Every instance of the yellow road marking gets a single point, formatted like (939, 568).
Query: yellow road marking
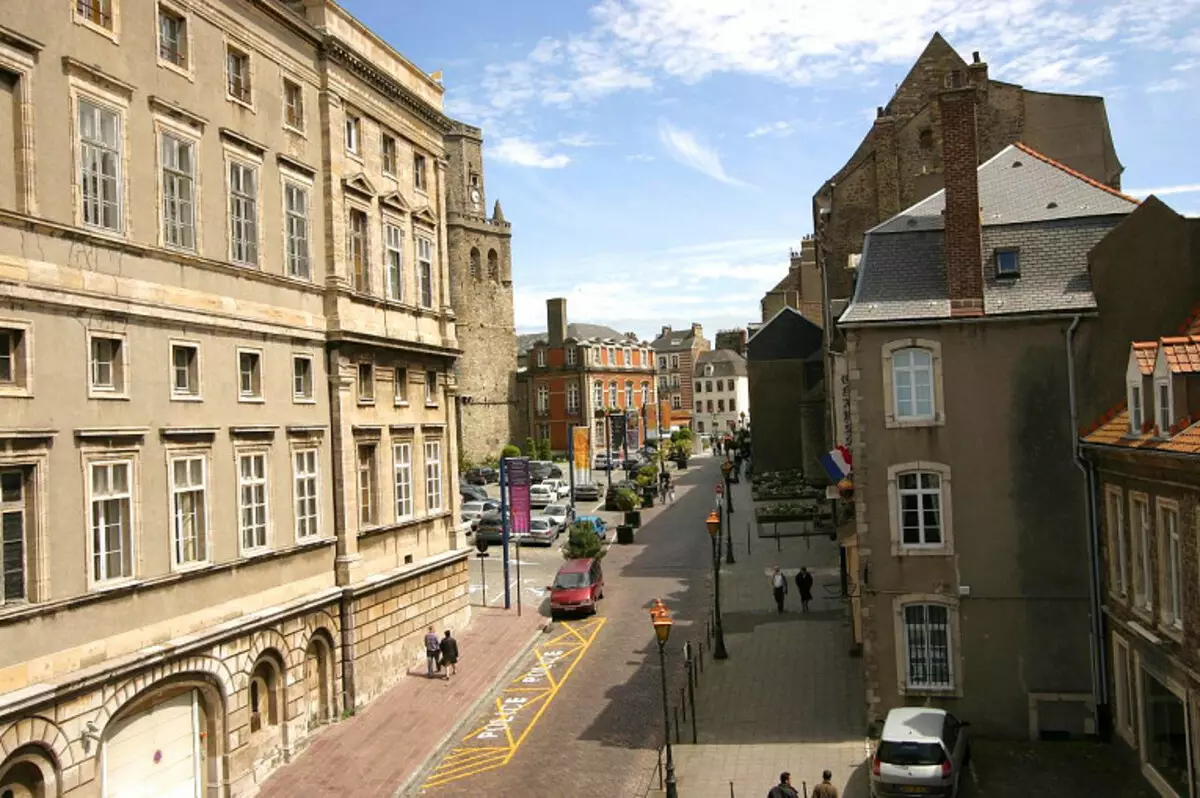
(466, 760)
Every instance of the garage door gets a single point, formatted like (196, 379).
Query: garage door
(153, 754)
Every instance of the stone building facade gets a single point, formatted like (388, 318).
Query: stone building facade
(722, 391)
(800, 289)
(481, 291)
(226, 384)
(675, 352)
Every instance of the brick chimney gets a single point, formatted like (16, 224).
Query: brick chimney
(556, 321)
(963, 238)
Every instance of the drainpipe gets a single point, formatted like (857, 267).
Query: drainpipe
(1098, 659)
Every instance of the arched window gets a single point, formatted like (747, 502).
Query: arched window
(493, 266)
(476, 271)
(645, 394)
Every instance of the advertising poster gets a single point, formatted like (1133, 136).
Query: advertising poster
(518, 494)
(582, 453)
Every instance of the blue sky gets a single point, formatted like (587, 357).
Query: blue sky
(657, 157)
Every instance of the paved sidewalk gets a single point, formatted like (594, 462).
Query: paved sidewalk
(789, 697)
(374, 753)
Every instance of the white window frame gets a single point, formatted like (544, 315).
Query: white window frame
(402, 478)
(1163, 411)
(194, 392)
(308, 396)
(628, 395)
(186, 68)
(360, 274)
(98, 575)
(179, 226)
(87, 151)
(905, 644)
(426, 295)
(1118, 543)
(572, 398)
(431, 388)
(203, 524)
(298, 124)
(1170, 558)
(1143, 579)
(598, 394)
(352, 135)
(400, 386)
(945, 508)
(393, 259)
(255, 484)
(367, 483)
(253, 396)
(297, 229)
(119, 367)
(18, 337)
(434, 498)
(541, 357)
(1137, 407)
(246, 52)
(543, 400)
(571, 356)
(244, 230)
(306, 489)
(893, 416)
(110, 32)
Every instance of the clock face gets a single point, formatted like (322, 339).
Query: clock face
(475, 196)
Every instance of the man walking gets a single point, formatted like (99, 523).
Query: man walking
(804, 582)
(433, 650)
(449, 650)
(784, 789)
(780, 586)
(825, 789)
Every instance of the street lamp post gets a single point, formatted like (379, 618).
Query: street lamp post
(661, 617)
(727, 471)
(714, 531)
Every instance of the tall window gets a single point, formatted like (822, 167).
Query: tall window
(674, 361)
(645, 394)
(394, 255)
(1171, 555)
(572, 356)
(732, 405)
(178, 185)
(1136, 419)
(433, 476)
(188, 502)
(306, 487)
(720, 405)
(185, 370)
(97, 12)
(662, 362)
(1118, 544)
(112, 520)
(699, 407)
(1162, 408)
(249, 375)
(367, 491)
(1139, 522)
(357, 243)
(402, 459)
(388, 154)
(613, 395)
(172, 37)
(541, 357)
(243, 213)
(677, 402)
(237, 74)
(597, 394)
(400, 386)
(295, 233)
(431, 388)
(920, 505)
(353, 129)
(12, 535)
(629, 394)
(425, 271)
(107, 365)
(912, 383)
(572, 398)
(293, 104)
(366, 383)
(420, 181)
(543, 400)
(709, 406)
(927, 646)
(100, 166)
(252, 499)
(708, 386)
(302, 378)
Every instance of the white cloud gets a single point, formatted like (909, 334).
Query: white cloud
(1164, 191)
(522, 152)
(1186, 66)
(781, 128)
(580, 140)
(1167, 86)
(685, 148)
(639, 157)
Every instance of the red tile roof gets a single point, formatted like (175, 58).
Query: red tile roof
(1096, 183)
(1147, 353)
(1182, 354)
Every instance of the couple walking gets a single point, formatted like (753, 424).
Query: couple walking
(785, 789)
(441, 653)
(804, 583)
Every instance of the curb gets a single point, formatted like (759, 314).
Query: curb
(410, 786)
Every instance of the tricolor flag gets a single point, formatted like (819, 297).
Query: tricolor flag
(837, 464)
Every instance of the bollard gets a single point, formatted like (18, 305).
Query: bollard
(731, 795)
(701, 660)
(692, 702)
(804, 785)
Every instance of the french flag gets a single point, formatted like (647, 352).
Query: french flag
(837, 464)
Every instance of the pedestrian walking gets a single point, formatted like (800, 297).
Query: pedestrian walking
(670, 493)
(780, 586)
(784, 789)
(804, 582)
(449, 650)
(825, 789)
(433, 650)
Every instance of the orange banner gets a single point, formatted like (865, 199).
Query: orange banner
(583, 455)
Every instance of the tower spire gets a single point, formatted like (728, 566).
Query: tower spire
(497, 213)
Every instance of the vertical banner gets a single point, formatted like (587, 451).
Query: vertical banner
(518, 494)
(618, 432)
(582, 462)
(664, 418)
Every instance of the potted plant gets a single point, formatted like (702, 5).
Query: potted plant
(583, 542)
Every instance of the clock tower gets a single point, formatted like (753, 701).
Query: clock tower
(481, 292)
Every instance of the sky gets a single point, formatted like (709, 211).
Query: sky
(657, 158)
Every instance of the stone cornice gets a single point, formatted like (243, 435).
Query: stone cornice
(389, 86)
(478, 223)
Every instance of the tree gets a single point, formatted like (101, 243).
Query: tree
(583, 542)
(544, 450)
(530, 448)
(511, 450)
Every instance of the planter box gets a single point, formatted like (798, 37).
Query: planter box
(648, 498)
(624, 534)
(779, 519)
(633, 519)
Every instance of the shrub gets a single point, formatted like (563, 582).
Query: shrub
(582, 542)
(544, 452)
(627, 500)
(511, 450)
(530, 448)
(492, 461)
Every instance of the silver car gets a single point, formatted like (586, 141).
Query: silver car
(922, 752)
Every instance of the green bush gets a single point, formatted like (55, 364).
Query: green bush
(649, 472)
(627, 500)
(511, 450)
(492, 461)
(530, 448)
(583, 542)
(544, 451)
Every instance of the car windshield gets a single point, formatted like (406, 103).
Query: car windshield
(911, 753)
(539, 523)
(473, 507)
(554, 509)
(568, 581)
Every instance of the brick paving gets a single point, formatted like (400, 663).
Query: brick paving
(376, 752)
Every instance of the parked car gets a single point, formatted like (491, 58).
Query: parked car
(470, 513)
(577, 586)
(474, 476)
(561, 489)
(490, 475)
(472, 493)
(561, 514)
(490, 527)
(601, 462)
(540, 495)
(542, 530)
(599, 523)
(587, 491)
(539, 471)
(922, 751)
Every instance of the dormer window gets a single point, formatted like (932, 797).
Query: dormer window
(571, 359)
(541, 358)
(1162, 406)
(1008, 264)
(1135, 409)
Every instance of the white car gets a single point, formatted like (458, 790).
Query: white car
(561, 487)
(558, 513)
(471, 512)
(541, 495)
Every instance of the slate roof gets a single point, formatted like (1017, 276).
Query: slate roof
(725, 363)
(580, 332)
(1050, 213)
(673, 340)
(787, 336)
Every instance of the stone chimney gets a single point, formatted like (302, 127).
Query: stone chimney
(963, 237)
(696, 329)
(556, 321)
(665, 332)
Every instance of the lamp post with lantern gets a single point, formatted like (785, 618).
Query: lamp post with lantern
(661, 617)
(727, 471)
(714, 531)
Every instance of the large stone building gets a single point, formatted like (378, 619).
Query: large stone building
(971, 311)
(676, 352)
(800, 289)
(481, 290)
(226, 382)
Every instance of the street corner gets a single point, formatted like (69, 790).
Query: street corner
(495, 736)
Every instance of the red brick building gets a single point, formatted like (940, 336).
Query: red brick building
(574, 372)
(677, 351)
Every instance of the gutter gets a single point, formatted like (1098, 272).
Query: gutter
(1096, 634)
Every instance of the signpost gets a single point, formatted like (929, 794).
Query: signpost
(518, 499)
(482, 546)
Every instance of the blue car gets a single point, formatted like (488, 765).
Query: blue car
(596, 521)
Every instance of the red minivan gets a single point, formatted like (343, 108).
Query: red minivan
(578, 585)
